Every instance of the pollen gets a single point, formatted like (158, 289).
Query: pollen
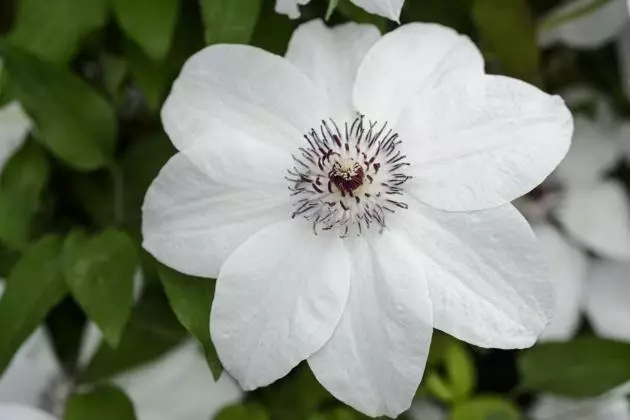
(348, 180)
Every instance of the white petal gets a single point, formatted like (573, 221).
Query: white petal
(14, 126)
(550, 407)
(243, 88)
(207, 200)
(425, 410)
(413, 59)
(330, 58)
(590, 31)
(487, 276)
(594, 150)
(178, 386)
(277, 301)
(599, 217)
(31, 371)
(568, 274)
(484, 142)
(375, 359)
(290, 7)
(607, 303)
(387, 8)
(18, 412)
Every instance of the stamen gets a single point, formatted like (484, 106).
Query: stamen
(348, 181)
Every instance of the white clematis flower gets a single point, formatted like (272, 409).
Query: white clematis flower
(350, 198)
(594, 211)
(386, 8)
(20, 412)
(14, 127)
(612, 405)
(176, 386)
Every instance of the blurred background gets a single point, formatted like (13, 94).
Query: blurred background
(91, 327)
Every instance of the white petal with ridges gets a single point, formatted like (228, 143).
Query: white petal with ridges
(207, 200)
(568, 266)
(413, 59)
(608, 298)
(330, 57)
(278, 299)
(375, 360)
(482, 143)
(18, 412)
(599, 217)
(487, 276)
(245, 89)
(550, 407)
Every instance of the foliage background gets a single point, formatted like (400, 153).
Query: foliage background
(93, 74)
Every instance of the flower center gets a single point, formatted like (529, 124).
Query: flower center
(350, 180)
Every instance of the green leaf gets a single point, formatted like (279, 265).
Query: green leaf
(54, 33)
(451, 13)
(100, 272)
(273, 30)
(152, 331)
(35, 285)
(229, 21)
(191, 300)
(23, 180)
(114, 73)
(103, 403)
(332, 5)
(150, 75)
(485, 408)
(243, 412)
(584, 367)
(150, 23)
(507, 29)
(357, 14)
(73, 121)
(460, 370)
(337, 414)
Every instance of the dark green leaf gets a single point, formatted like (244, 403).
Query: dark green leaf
(100, 272)
(150, 23)
(243, 412)
(191, 299)
(452, 13)
(72, 120)
(114, 73)
(229, 21)
(23, 180)
(485, 408)
(273, 30)
(150, 75)
(35, 285)
(337, 414)
(103, 403)
(357, 14)
(54, 32)
(507, 29)
(583, 367)
(152, 331)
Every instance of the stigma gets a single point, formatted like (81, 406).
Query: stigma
(348, 179)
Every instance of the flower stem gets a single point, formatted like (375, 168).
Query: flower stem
(554, 21)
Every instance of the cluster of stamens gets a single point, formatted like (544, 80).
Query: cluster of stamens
(348, 180)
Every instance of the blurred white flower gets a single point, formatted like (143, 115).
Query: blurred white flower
(425, 410)
(608, 407)
(14, 127)
(20, 412)
(177, 386)
(594, 211)
(386, 8)
(608, 22)
(394, 216)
